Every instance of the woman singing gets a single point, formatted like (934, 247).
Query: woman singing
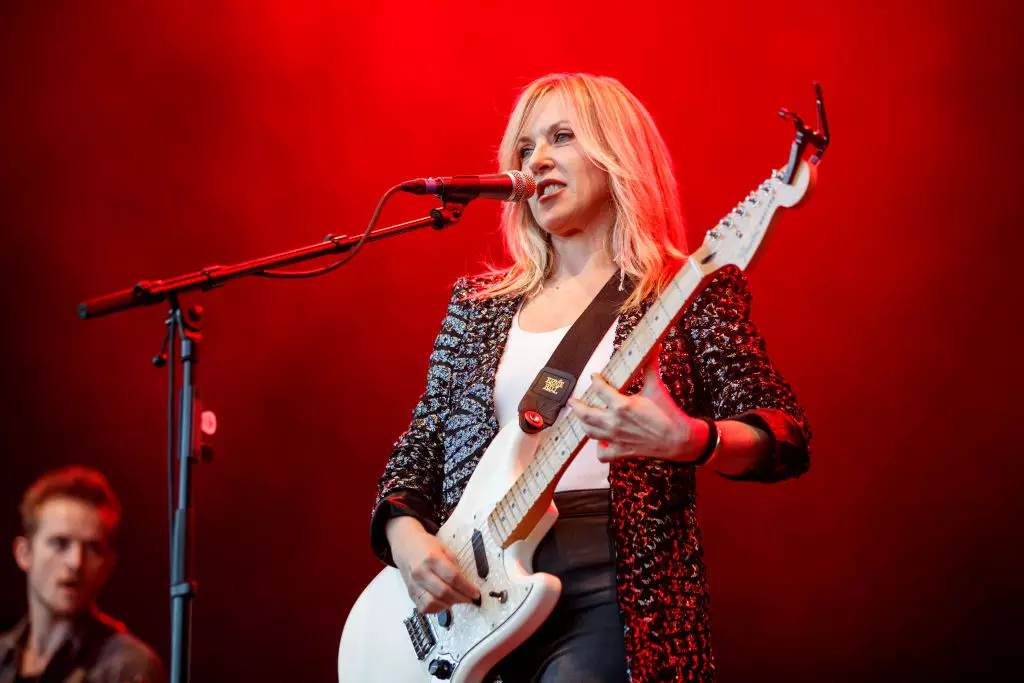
(634, 603)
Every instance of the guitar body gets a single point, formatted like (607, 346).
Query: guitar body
(377, 646)
(505, 510)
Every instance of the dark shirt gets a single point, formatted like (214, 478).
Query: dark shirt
(100, 650)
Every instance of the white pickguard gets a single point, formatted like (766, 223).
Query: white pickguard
(375, 644)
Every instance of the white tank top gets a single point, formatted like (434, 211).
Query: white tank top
(525, 354)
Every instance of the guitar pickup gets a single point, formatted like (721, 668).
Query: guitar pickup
(480, 555)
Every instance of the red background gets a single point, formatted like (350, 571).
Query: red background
(143, 140)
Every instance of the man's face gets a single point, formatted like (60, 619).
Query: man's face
(69, 557)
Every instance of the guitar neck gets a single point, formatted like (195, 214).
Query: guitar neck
(526, 499)
(735, 240)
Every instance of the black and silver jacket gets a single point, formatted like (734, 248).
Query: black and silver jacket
(713, 362)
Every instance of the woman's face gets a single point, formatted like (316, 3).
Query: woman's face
(572, 193)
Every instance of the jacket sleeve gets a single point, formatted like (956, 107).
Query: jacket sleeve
(737, 381)
(135, 661)
(411, 483)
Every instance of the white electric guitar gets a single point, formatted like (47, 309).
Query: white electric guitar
(507, 506)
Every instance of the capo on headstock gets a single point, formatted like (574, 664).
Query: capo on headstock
(805, 136)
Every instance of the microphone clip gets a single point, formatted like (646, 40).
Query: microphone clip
(450, 212)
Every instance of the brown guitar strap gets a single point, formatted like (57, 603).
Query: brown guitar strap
(553, 386)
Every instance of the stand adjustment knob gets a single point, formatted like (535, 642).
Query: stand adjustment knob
(440, 668)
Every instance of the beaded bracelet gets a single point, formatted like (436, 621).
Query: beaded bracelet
(712, 446)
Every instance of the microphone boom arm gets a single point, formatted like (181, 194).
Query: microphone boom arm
(147, 293)
(184, 437)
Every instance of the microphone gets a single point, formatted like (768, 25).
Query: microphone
(510, 186)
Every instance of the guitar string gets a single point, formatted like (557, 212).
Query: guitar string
(466, 553)
(645, 326)
(611, 371)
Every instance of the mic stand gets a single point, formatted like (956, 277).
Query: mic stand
(190, 448)
(146, 293)
(183, 586)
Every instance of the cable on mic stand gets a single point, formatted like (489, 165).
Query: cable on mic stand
(184, 438)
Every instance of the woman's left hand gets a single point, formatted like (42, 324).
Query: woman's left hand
(645, 425)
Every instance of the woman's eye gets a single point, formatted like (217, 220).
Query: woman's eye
(524, 152)
(563, 136)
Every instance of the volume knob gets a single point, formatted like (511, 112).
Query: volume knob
(440, 668)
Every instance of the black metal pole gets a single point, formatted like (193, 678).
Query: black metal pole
(147, 292)
(189, 448)
(183, 586)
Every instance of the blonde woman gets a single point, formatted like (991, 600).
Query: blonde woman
(634, 603)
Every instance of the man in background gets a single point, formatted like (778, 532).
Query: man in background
(69, 520)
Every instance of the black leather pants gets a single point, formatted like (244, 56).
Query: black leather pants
(581, 641)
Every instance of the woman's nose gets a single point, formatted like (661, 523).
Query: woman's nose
(540, 159)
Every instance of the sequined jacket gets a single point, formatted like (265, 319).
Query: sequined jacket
(714, 364)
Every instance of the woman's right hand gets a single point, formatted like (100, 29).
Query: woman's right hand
(429, 569)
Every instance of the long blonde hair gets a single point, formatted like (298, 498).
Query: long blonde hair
(618, 135)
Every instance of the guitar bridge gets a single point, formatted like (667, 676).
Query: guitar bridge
(420, 633)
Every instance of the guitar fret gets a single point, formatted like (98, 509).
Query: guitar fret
(612, 369)
(550, 461)
(504, 512)
(574, 427)
(522, 484)
(643, 330)
(678, 297)
(498, 518)
(622, 370)
(532, 475)
(755, 214)
(662, 317)
(513, 509)
(510, 512)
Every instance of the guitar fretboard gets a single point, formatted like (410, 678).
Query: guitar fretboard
(742, 232)
(566, 436)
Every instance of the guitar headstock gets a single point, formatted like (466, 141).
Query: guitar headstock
(739, 236)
